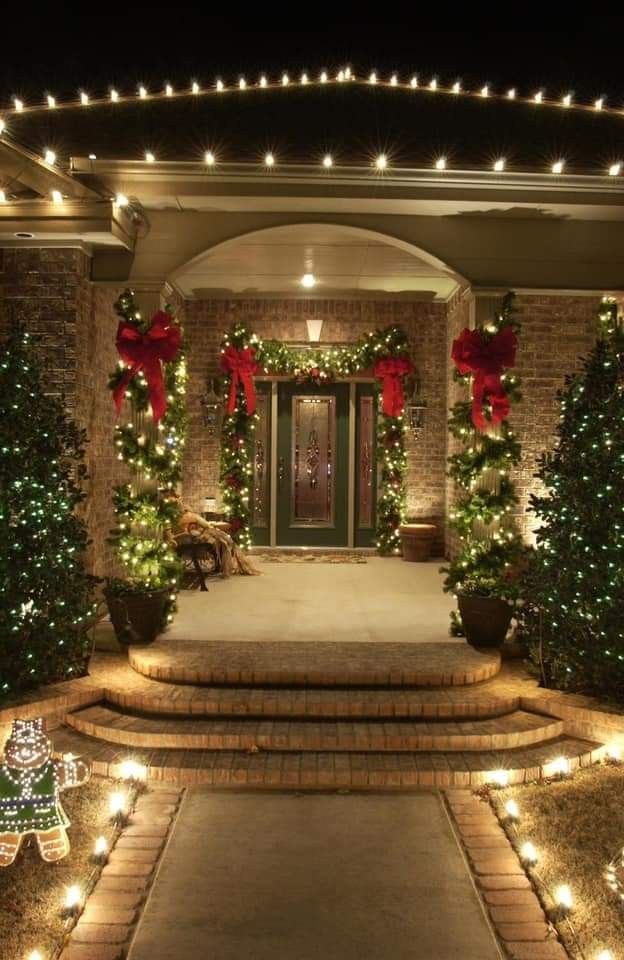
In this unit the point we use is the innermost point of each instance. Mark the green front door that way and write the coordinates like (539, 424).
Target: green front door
(313, 465)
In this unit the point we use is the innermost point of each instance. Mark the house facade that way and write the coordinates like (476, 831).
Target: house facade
(429, 249)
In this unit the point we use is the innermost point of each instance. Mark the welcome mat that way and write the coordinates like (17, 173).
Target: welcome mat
(309, 557)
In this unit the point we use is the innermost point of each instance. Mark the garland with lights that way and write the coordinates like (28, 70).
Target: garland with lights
(575, 621)
(151, 379)
(482, 515)
(383, 353)
(46, 597)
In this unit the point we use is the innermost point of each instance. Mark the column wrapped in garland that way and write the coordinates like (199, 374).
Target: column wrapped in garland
(148, 387)
(382, 354)
(482, 516)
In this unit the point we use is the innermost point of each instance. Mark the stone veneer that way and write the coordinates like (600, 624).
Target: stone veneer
(49, 290)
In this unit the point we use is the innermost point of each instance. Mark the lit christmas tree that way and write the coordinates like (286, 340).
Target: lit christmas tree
(483, 513)
(149, 387)
(576, 580)
(45, 594)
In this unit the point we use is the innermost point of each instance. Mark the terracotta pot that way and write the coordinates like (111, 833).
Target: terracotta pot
(417, 540)
(137, 618)
(485, 620)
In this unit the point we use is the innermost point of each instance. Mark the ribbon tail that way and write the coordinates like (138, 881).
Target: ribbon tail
(478, 389)
(250, 393)
(231, 405)
(120, 390)
(156, 386)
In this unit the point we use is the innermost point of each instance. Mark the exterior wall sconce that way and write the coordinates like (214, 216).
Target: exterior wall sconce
(416, 408)
(315, 328)
(212, 408)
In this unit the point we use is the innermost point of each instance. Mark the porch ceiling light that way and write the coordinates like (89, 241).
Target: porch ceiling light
(304, 78)
(499, 165)
(567, 100)
(328, 161)
(84, 98)
(440, 163)
(242, 84)
(114, 96)
(308, 280)
(149, 157)
(324, 76)
(263, 81)
(381, 162)
(414, 82)
(209, 158)
(615, 169)
(49, 156)
(269, 160)
(168, 90)
(51, 101)
(456, 88)
(511, 94)
(557, 166)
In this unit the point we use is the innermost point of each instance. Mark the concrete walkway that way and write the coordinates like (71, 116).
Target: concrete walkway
(317, 877)
(384, 599)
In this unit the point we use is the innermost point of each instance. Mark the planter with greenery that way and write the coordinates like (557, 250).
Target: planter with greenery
(149, 391)
(483, 572)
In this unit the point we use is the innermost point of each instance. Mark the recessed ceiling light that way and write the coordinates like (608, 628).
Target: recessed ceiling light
(557, 167)
(381, 162)
(269, 160)
(308, 280)
(499, 164)
(209, 158)
(328, 161)
(49, 156)
(615, 169)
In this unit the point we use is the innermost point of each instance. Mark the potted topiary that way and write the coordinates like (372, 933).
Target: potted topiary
(149, 384)
(486, 605)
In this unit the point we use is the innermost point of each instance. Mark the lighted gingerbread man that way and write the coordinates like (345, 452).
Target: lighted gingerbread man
(30, 785)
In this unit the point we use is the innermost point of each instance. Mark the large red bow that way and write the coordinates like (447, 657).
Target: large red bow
(486, 359)
(241, 366)
(145, 352)
(391, 371)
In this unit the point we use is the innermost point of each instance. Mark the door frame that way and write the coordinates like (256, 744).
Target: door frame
(352, 383)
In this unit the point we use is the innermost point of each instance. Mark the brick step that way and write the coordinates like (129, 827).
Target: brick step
(358, 770)
(517, 729)
(315, 664)
(169, 699)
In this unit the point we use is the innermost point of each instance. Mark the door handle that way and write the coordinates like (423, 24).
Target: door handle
(281, 471)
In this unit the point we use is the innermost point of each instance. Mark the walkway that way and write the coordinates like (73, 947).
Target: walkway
(291, 877)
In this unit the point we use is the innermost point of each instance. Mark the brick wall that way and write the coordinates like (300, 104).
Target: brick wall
(556, 332)
(344, 321)
(458, 318)
(73, 322)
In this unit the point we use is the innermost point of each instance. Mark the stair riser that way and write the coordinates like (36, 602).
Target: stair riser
(313, 742)
(281, 706)
(266, 776)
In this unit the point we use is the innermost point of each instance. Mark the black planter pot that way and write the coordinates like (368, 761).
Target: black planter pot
(485, 620)
(137, 618)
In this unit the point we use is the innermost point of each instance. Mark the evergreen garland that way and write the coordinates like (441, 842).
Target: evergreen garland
(319, 366)
(482, 516)
(575, 583)
(46, 598)
(146, 509)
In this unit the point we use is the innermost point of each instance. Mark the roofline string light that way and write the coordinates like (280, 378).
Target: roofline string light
(324, 77)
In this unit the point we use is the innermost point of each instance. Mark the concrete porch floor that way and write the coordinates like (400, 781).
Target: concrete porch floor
(383, 600)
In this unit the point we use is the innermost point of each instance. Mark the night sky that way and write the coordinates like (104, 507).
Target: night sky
(62, 54)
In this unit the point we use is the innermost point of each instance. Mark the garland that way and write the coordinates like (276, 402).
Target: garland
(243, 354)
(482, 516)
(151, 443)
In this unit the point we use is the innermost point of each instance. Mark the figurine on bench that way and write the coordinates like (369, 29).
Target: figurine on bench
(230, 559)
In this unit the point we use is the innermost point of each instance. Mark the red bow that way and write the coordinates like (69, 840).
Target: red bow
(241, 365)
(391, 371)
(146, 352)
(486, 359)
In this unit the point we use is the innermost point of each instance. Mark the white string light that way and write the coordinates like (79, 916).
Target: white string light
(114, 95)
(456, 88)
(168, 90)
(567, 100)
(564, 898)
(51, 101)
(195, 87)
(84, 98)
(528, 853)
(18, 105)
(414, 82)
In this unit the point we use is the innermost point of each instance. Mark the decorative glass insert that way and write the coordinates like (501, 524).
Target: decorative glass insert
(313, 446)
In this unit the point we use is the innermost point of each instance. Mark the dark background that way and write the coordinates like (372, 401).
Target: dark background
(60, 54)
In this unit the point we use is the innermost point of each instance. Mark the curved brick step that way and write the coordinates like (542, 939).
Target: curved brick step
(141, 694)
(517, 729)
(444, 664)
(313, 770)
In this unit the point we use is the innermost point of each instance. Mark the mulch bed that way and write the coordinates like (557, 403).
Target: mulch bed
(577, 826)
(32, 892)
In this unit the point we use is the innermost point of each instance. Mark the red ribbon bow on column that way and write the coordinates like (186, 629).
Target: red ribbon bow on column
(391, 371)
(486, 359)
(241, 366)
(146, 352)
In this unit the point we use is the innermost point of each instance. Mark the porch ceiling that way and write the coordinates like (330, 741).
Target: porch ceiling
(344, 263)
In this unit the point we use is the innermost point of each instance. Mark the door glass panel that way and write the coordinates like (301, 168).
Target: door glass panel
(313, 461)
(366, 460)
(260, 505)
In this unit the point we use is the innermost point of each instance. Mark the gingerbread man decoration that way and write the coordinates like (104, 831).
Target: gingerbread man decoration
(30, 784)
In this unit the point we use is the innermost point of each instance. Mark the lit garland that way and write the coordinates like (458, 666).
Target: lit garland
(46, 598)
(145, 509)
(318, 366)
(482, 515)
(324, 78)
(575, 621)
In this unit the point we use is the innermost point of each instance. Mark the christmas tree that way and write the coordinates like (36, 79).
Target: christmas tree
(483, 512)
(576, 580)
(150, 387)
(45, 593)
